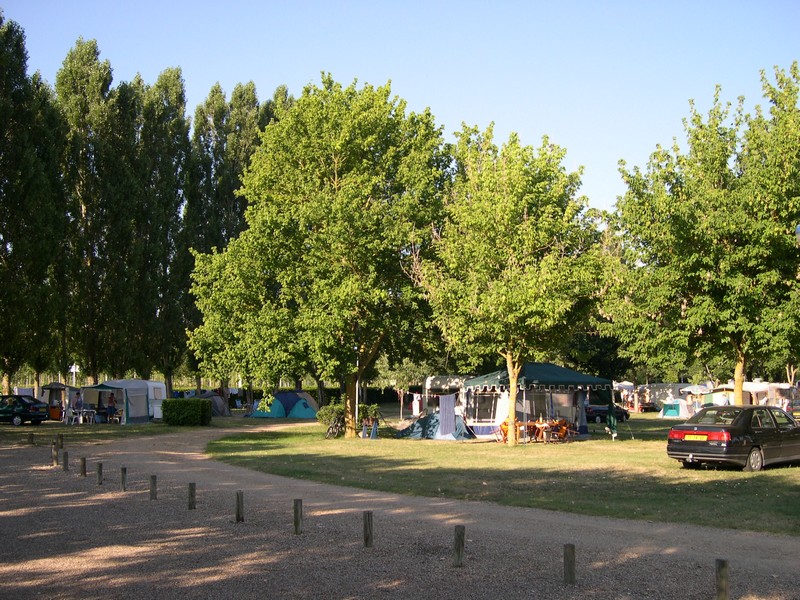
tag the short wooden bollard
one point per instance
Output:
(99, 473)
(123, 478)
(239, 506)
(298, 516)
(153, 487)
(54, 453)
(30, 439)
(722, 579)
(458, 546)
(61, 440)
(83, 466)
(368, 529)
(192, 504)
(569, 564)
(65, 460)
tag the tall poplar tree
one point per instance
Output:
(31, 210)
(82, 88)
(164, 162)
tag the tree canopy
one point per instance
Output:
(516, 264)
(710, 258)
(341, 193)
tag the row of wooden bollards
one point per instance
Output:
(570, 572)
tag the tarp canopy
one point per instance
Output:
(56, 393)
(131, 396)
(539, 375)
(289, 405)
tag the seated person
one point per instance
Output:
(78, 404)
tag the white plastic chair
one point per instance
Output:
(72, 418)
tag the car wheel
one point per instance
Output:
(16, 420)
(755, 460)
(598, 419)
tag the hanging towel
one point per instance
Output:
(447, 414)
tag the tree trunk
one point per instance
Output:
(198, 385)
(168, 383)
(738, 379)
(6, 384)
(791, 372)
(350, 429)
(513, 376)
(320, 391)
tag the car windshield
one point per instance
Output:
(716, 416)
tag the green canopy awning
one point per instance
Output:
(536, 375)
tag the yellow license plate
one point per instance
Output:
(694, 437)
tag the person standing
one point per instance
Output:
(111, 407)
(611, 418)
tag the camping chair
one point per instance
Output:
(116, 417)
(71, 417)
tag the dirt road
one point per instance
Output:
(65, 536)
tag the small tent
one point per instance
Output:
(289, 405)
(219, 408)
(429, 428)
(674, 408)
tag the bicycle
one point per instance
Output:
(335, 429)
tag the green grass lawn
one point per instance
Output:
(627, 478)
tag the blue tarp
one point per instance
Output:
(427, 428)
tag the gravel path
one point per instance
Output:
(65, 536)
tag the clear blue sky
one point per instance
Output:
(607, 80)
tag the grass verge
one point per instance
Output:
(629, 478)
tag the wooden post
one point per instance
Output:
(368, 529)
(298, 516)
(83, 466)
(99, 473)
(569, 564)
(192, 495)
(65, 460)
(458, 546)
(61, 440)
(123, 478)
(239, 506)
(153, 488)
(54, 453)
(30, 439)
(722, 579)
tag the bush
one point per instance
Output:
(328, 414)
(187, 411)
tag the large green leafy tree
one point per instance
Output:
(710, 262)
(515, 268)
(224, 137)
(341, 192)
(32, 214)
